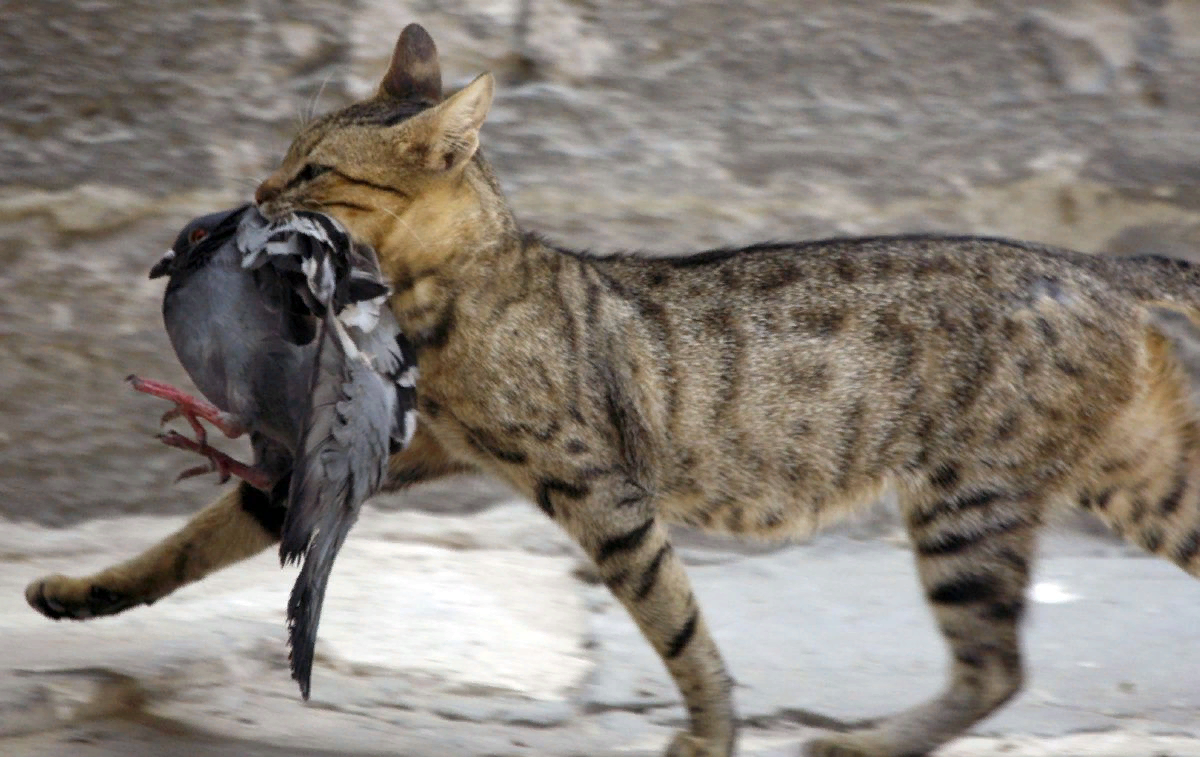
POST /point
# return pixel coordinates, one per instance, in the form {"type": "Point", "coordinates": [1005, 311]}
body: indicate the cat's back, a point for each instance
{"type": "Point", "coordinates": [863, 270]}
{"type": "Point", "coordinates": [824, 370]}
{"type": "Point", "coordinates": [878, 294]}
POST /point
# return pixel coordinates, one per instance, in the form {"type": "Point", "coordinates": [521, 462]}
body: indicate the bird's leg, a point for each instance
{"type": "Point", "coordinates": [218, 461]}
{"type": "Point", "coordinates": [190, 408]}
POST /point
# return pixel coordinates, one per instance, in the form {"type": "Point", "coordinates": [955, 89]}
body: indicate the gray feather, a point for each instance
{"type": "Point", "coordinates": [341, 462]}
{"type": "Point", "coordinates": [285, 325]}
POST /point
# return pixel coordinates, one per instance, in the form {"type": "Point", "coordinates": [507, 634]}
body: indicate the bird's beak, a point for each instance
{"type": "Point", "coordinates": [162, 267]}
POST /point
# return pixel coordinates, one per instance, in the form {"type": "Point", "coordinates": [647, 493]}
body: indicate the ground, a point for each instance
{"type": "Point", "coordinates": [485, 634]}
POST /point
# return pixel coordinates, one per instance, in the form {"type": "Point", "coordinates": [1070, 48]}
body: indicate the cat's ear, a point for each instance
{"type": "Point", "coordinates": [452, 128]}
{"type": "Point", "coordinates": [414, 73]}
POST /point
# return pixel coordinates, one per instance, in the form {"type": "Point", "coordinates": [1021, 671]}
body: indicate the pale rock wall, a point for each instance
{"type": "Point", "coordinates": [666, 125]}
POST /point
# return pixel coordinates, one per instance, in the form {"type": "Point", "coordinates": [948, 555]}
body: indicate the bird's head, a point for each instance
{"type": "Point", "coordinates": [206, 232]}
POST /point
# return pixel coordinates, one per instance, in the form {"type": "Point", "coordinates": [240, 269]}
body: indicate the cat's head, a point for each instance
{"type": "Point", "coordinates": [393, 168]}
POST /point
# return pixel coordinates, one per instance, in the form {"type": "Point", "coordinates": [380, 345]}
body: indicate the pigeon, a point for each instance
{"type": "Point", "coordinates": [284, 328]}
{"type": "Point", "coordinates": [244, 343]}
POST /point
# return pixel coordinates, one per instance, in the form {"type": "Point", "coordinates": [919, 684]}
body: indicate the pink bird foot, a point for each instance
{"type": "Point", "coordinates": [190, 408]}
{"type": "Point", "coordinates": [218, 462]}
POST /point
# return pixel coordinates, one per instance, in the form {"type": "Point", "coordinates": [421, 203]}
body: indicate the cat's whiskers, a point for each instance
{"type": "Point", "coordinates": [312, 105]}
{"type": "Point", "coordinates": [251, 183]}
{"type": "Point", "coordinates": [406, 226]}
{"type": "Point", "coordinates": [320, 207]}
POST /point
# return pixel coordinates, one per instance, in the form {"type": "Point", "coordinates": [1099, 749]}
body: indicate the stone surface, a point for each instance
{"type": "Point", "coordinates": [470, 635]}
{"type": "Point", "coordinates": [840, 628]}
{"type": "Point", "coordinates": [657, 125]}
{"type": "Point", "coordinates": [469, 632]}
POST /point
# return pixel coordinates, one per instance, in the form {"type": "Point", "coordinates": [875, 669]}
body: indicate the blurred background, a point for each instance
{"type": "Point", "coordinates": [659, 125]}
{"type": "Point", "coordinates": [666, 125]}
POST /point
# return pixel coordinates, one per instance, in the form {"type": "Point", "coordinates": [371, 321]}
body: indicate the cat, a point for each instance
{"type": "Point", "coordinates": [761, 391]}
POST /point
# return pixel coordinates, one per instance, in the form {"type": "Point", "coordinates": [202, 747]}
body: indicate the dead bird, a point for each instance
{"type": "Point", "coordinates": [284, 328]}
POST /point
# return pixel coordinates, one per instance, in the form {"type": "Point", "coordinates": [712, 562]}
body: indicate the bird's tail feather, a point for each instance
{"type": "Point", "coordinates": [307, 598]}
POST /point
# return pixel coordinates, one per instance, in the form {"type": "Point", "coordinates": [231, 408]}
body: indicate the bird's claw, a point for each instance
{"type": "Point", "coordinates": [200, 470]}
{"type": "Point", "coordinates": [189, 408]}
{"type": "Point", "coordinates": [218, 462]}
{"type": "Point", "coordinates": [179, 411]}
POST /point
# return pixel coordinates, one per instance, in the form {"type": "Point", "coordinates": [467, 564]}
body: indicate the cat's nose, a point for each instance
{"type": "Point", "coordinates": [265, 193]}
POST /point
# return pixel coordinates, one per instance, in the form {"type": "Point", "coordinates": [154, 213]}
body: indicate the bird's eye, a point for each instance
{"type": "Point", "coordinates": [197, 235]}
{"type": "Point", "coordinates": [309, 172]}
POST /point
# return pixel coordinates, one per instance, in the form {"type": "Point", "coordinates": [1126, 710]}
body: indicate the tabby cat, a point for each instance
{"type": "Point", "coordinates": [761, 391]}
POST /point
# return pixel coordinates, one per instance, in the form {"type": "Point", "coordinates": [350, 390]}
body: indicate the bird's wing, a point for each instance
{"type": "Point", "coordinates": [341, 461]}
{"type": "Point", "coordinates": [393, 358]}
{"type": "Point", "coordinates": [363, 310]}
{"type": "Point", "coordinates": [361, 403]}
{"type": "Point", "coordinates": [314, 253]}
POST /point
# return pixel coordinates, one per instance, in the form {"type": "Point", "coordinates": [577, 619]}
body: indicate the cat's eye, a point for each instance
{"type": "Point", "coordinates": [309, 172]}
{"type": "Point", "coordinates": [196, 235]}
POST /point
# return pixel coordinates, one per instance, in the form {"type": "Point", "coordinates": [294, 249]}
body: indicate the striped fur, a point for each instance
{"type": "Point", "coordinates": [766, 391]}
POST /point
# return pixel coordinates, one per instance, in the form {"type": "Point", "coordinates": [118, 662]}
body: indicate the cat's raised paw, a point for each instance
{"type": "Point", "coordinates": [59, 597]}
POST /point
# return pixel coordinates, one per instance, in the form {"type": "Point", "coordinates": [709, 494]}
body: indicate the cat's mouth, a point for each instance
{"type": "Point", "coordinates": [275, 206]}
{"type": "Point", "coordinates": [275, 211]}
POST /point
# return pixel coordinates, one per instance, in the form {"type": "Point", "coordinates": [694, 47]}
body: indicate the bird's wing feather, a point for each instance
{"type": "Point", "coordinates": [394, 360]}
{"type": "Point", "coordinates": [341, 461]}
{"type": "Point", "coordinates": [361, 402]}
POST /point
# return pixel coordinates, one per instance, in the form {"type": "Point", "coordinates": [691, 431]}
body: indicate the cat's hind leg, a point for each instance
{"type": "Point", "coordinates": [973, 550]}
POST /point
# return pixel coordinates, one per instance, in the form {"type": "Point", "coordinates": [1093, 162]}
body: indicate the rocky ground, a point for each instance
{"type": "Point", "coordinates": [485, 635]}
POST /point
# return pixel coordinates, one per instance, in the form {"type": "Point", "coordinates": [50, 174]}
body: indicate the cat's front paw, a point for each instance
{"type": "Point", "coordinates": [59, 597]}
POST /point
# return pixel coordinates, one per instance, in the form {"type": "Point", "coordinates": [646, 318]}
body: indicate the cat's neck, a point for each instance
{"type": "Point", "coordinates": [468, 243]}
